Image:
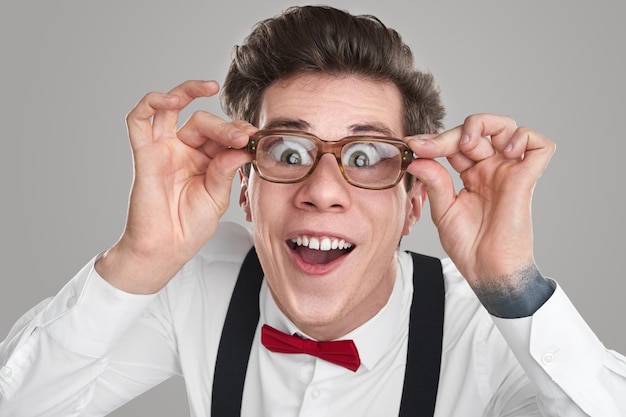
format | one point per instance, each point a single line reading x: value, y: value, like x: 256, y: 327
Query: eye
x: 290, y: 151
x: 362, y: 155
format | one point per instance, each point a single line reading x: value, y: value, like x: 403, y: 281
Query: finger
x: 221, y: 173
x: 165, y: 123
x: 439, y: 185
x: 535, y: 149
x: 459, y: 162
x: 498, y: 127
x: 449, y: 144
x: 138, y: 120
x: 209, y: 133
x: 471, y: 152
x: 210, y: 147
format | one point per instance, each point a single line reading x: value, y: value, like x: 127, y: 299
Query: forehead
x: 332, y: 105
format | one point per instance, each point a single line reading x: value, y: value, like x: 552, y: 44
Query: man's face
x: 329, y: 293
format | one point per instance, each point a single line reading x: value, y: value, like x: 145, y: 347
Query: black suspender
x: 236, y: 341
x: 421, y: 377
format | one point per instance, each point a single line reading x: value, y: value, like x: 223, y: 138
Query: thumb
x: 438, y: 183
x: 221, y: 173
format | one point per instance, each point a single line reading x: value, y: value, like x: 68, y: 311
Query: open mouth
x: 320, y: 250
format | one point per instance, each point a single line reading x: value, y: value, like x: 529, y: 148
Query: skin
x: 180, y: 190
x: 183, y: 178
x: 486, y: 227
x: 328, y: 301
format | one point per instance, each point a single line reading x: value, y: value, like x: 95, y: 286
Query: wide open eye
x: 364, y: 154
x: 290, y: 150
x: 371, y: 164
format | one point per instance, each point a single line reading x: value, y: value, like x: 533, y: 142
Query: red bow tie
x: 339, y: 352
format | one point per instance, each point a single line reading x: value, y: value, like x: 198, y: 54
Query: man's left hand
x: 486, y: 227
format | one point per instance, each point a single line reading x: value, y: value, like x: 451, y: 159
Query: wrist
x: 517, y: 295
x: 133, y: 273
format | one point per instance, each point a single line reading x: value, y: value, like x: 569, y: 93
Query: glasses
x: 373, y: 163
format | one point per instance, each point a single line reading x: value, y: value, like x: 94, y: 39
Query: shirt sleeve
x: 61, y: 352
x: 571, y: 370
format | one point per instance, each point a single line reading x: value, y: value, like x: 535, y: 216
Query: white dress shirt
x: 93, y: 347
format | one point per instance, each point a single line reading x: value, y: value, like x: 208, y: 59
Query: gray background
x: 70, y: 70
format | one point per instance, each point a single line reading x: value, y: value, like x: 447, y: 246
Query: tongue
x: 318, y: 257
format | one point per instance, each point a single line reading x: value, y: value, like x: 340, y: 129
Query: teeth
x: 323, y: 244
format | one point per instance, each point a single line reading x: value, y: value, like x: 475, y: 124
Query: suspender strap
x: 421, y: 378
x: 236, y: 341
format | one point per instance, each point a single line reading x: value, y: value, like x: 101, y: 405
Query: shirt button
x: 315, y: 394
x: 6, y: 372
x: 548, y: 359
x: 71, y: 301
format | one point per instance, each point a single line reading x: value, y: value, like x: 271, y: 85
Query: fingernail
x: 465, y: 139
x: 418, y: 140
x: 237, y: 134
x: 508, y: 148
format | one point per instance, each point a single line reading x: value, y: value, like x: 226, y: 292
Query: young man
x: 326, y: 228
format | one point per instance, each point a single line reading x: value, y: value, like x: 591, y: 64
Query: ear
x: 244, y: 200
x: 416, y: 198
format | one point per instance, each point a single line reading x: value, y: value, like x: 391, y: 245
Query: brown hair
x: 327, y: 40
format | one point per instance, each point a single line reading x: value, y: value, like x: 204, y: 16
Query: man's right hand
x: 181, y: 188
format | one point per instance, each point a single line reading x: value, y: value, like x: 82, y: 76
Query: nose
x: 326, y: 188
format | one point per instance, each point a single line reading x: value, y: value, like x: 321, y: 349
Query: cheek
x: 267, y: 194
x: 268, y: 208
x: 260, y: 197
x: 388, y: 211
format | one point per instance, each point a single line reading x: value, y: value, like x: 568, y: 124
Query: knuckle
x: 221, y: 130
x: 144, y: 101
x: 150, y: 96
x: 473, y: 118
x: 245, y: 126
x: 509, y: 119
x: 224, y: 127
x: 227, y: 128
x: 241, y: 124
x: 198, y: 115
x: 131, y: 117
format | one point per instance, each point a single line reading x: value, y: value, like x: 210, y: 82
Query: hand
x: 182, y: 185
x: 485, y: 228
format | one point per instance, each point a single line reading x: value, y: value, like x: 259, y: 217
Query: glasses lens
x: 372, y: 164
x: 284, y: 158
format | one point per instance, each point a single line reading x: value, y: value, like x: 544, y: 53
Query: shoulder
x: 230, y: 243
x: 469, y: 325
x: 216, y: 266
x: 204, y: 285
x: 456, y: 287
x: 463, y: 309
x: 465, y: 317
x: 473, y: 348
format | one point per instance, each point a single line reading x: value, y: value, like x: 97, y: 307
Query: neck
x: 338, y: 325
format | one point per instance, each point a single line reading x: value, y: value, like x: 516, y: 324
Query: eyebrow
x: 355, y: 129
x: 292, y: 124
x: 376, y: 127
